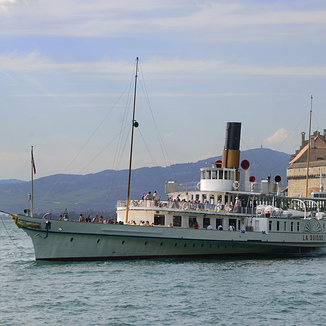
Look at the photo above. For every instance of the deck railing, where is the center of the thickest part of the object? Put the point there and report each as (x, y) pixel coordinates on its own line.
(182, 205)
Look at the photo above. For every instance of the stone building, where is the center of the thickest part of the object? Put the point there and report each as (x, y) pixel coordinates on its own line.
(297, 169)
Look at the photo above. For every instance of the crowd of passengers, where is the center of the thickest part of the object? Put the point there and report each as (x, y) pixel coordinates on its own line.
(195, 226)
(149, 200)
(88, 219)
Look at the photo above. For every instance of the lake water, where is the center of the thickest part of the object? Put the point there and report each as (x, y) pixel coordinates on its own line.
(242, 291)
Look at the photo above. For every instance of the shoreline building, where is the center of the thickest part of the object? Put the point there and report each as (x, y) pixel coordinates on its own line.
(297, 169)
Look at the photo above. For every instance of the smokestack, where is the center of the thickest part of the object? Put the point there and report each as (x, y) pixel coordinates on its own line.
(231, 152)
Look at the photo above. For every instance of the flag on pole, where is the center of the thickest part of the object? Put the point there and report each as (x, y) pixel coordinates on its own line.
(33, 163)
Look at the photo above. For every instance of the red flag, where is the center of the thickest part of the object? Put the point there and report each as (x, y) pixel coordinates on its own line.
(33, 163)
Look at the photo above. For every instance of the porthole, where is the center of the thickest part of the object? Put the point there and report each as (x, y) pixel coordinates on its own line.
(202, 245)
(71, 239)
(145, 243)
(98, 240)
(161, 244)
(194, 245)
(175, 244)
(185, 245)
(123, 242)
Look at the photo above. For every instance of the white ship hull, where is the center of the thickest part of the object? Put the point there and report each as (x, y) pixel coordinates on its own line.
(74, 241)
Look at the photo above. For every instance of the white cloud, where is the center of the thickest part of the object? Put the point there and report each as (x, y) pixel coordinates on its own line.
(156, 66)
(215, 20)
(280, 138)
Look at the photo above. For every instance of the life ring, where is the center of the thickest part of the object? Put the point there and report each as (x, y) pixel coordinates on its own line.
(198, 185)
(259, 213)
(236, 185)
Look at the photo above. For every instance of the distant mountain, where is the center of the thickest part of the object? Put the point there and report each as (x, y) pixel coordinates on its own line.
(8, 181)
(99, 191)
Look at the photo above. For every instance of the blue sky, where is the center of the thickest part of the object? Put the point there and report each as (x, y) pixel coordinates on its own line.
(65, 64)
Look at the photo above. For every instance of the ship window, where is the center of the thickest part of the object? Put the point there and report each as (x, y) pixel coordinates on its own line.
(197, 196)
(177, 221)
(192, 221)
(203, 174)
(211, 199)
(226, 175)
(208, 175)
(284, 226)
(233, 221)
(291, 226)
(159, 219)
(206, 222)
(219, 221)
(278, 226)
(220, 174)
(298, 226)
(270, 225)
(214, 175)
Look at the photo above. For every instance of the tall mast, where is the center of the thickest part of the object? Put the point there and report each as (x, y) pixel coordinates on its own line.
(308, 158)
(133, 125)
(32, 181)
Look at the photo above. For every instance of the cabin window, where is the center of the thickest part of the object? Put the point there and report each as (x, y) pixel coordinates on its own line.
(159, 219)
(219, 221)
(291, 226)
(197, 196)
(278, 226)
(211, 199)
(203, 174)
(284, 226)
(206, 222)
(226, 175)
(220, 174)
(177, 221)
(214, 175)
(298, 226)
(208, 175)
(192, 221)
(270, 225)
(233, 221)
(204, 199)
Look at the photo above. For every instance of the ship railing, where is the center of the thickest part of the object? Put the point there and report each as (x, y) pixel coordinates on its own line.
(183, 206)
